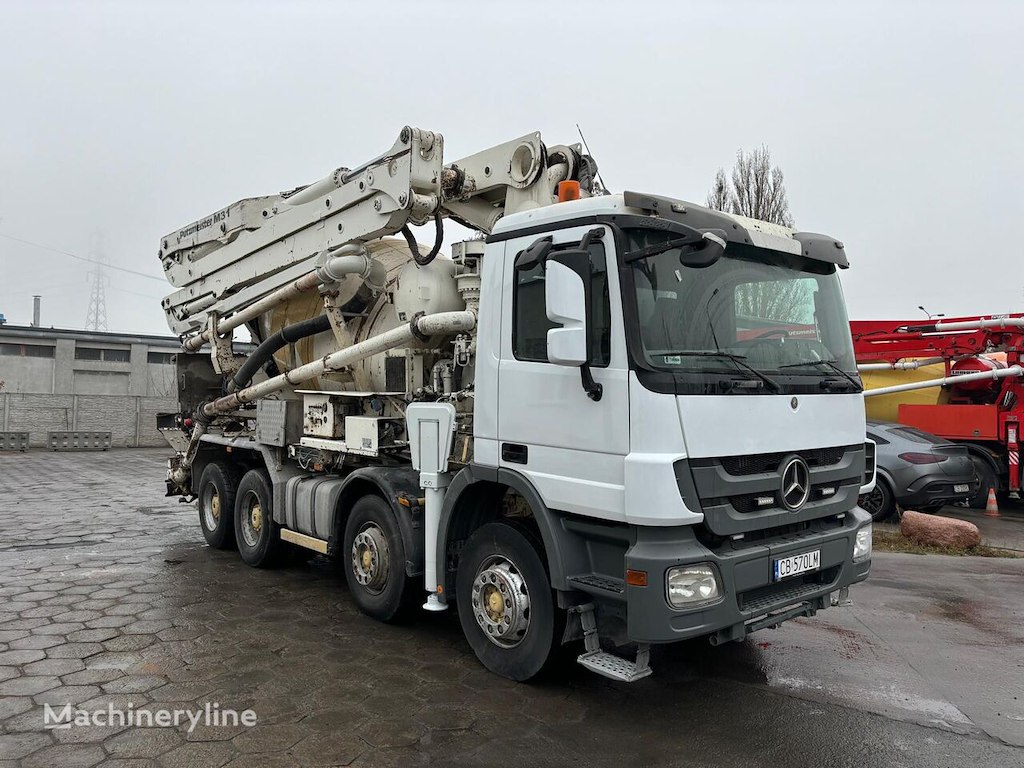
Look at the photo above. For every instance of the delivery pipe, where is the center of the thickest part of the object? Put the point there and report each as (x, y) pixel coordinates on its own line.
(423, 327)
(351, 259)
(909, 365)
(945, 326)
(1000, 373)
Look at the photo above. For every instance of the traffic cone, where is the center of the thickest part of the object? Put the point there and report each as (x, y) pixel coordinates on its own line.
(991, 508)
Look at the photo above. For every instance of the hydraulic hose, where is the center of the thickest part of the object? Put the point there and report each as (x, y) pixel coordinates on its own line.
(266, 350)
(414, 246)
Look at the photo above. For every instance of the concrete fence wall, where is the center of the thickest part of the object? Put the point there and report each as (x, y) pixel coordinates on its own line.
(130, 418)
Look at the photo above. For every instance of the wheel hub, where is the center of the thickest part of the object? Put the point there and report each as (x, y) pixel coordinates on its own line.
(371, 559)
(209, 506)
(501, 603)
(252, 520)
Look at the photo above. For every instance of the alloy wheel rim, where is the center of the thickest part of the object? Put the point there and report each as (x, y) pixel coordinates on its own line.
(371, 559)
(252, 521)
(501, 602)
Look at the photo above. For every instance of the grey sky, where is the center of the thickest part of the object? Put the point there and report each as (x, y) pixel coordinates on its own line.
(899, 126)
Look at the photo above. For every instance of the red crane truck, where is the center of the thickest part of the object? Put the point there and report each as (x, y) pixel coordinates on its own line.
(958, 378)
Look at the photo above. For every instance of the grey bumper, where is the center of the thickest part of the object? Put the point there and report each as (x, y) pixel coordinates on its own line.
(746, 574)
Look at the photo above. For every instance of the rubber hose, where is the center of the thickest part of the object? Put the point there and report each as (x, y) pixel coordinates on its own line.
(266, 350)
(414, 247)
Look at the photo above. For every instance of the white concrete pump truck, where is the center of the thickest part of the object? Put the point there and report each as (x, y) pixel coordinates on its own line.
(616, 418)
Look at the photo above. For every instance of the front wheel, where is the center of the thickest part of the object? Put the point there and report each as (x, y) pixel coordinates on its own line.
(880, 502)
(257, 535)
(505, 602)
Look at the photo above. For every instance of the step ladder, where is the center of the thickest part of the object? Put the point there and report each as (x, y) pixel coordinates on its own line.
(604, 663)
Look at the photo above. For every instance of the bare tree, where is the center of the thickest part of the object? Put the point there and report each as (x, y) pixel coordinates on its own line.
(782, 301)
(756, 189)
(718, 197)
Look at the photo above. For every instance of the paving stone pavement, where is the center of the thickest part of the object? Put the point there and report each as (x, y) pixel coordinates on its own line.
(108, 595)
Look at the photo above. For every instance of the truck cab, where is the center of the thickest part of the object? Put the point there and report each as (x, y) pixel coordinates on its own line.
(695, 467)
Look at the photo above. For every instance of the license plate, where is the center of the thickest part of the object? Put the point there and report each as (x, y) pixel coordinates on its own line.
(965, 488)
(796, 564)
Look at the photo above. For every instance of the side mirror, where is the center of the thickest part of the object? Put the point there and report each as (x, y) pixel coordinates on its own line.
(705, 253)
(565, 301)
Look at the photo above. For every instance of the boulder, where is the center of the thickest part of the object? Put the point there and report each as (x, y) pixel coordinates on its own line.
(939, 531)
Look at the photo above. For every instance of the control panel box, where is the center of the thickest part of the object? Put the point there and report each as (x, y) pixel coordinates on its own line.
(322, 416)
(367, 435)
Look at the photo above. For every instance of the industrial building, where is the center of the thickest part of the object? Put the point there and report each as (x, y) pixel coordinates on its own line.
(69, 380)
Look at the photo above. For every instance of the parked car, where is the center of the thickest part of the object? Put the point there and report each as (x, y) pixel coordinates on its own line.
(917, 471)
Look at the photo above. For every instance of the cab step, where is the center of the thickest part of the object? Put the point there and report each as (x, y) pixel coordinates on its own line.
(604, 663)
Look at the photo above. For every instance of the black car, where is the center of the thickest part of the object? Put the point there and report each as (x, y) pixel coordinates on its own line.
(917, 471)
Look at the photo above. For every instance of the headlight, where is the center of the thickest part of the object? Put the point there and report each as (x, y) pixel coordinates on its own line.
(862, 544)
(688, 586)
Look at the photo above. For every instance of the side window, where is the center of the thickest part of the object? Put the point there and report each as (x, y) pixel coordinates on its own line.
(530, 324)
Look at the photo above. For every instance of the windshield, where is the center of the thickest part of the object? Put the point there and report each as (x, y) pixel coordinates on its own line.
(782, 315)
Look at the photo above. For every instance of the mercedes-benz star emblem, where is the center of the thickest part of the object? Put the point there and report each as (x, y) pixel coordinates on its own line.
(796, 484)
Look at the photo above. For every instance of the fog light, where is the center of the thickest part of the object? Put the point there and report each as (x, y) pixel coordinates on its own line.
(862, 544)
(688, 586)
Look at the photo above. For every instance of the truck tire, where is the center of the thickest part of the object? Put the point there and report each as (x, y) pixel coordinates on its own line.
(257, 535)
(373, 556)
(505, 602)
(984, 472)
(216, 492)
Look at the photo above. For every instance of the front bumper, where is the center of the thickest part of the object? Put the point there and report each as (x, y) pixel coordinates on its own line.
(746, 576)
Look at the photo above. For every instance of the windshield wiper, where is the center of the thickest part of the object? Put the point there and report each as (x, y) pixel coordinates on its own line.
(737, 359)
(656, 248)
(858, 386)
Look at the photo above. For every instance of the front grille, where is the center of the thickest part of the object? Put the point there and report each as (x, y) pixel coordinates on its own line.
(786, 592)
(769, 462)
(747, 503)
(869, 461)
(728, 488)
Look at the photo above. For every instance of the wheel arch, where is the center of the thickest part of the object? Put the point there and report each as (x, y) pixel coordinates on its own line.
(990, 458)
(241, 456)
(399, 487)
(473, 500)
(884, 475)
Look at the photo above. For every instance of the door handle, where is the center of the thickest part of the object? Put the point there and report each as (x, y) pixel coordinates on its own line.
(513, 453)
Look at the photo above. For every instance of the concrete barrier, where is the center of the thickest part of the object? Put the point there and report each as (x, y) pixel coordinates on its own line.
(13, 441)
(79, 441)
(130, 419)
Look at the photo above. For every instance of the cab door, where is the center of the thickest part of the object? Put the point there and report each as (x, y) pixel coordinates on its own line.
(571, 447)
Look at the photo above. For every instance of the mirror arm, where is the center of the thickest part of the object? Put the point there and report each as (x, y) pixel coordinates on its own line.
(591, 236)
(592, 388)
